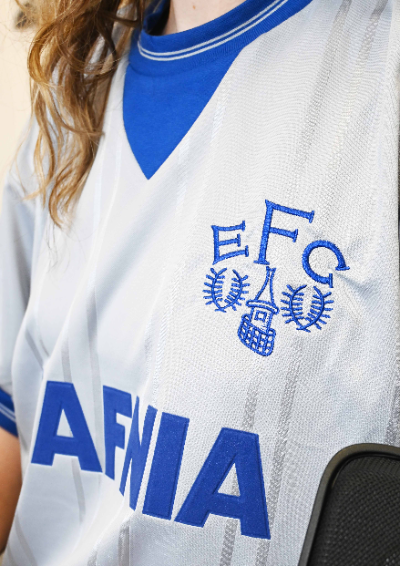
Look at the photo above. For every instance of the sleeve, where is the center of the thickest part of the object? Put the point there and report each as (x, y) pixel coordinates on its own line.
(17, 222)
(7, 413)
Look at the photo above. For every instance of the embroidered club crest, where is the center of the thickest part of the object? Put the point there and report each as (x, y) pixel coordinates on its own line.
(255, 330)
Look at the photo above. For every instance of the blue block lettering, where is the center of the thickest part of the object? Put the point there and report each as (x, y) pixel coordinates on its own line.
(61, 397)
(137, 452)
(164, 474)
(243, 450)
(268, 229)
(218, 243)
(115, 401)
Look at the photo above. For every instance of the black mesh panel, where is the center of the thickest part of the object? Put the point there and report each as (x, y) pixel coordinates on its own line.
(360, 523)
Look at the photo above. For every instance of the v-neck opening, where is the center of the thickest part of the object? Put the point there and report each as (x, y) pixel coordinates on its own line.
(171, 79)
(173, 155)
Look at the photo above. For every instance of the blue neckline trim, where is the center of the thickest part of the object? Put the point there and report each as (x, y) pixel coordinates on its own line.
(171, 79)
(165, 54)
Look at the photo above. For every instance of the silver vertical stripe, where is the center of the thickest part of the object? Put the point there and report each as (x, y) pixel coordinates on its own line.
(34, 349)
(314, 108)
(96, 378)
(123, 544)
(231, 525)
(392, 436)
(291, 380)
(280, 452)
(91, 306)
(291, 384)
(76, 475)
(223, 94)
(66, 366)
(92, 313)
(181, 181)
(43, 347)
(24, 543)
(393, 428)
(228, 544)
(31, 343)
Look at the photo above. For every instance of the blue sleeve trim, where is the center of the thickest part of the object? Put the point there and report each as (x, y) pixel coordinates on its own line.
(7, 413)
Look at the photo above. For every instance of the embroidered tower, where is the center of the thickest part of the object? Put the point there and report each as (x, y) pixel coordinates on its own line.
(255, 330)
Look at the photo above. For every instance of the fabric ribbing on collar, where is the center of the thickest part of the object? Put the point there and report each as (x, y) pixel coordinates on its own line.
(171, 78)
(227, 34)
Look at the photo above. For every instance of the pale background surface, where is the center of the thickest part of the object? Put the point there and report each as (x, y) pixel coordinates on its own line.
(14, 85)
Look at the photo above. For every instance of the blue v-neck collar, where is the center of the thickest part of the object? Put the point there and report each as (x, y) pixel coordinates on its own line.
(171, 78)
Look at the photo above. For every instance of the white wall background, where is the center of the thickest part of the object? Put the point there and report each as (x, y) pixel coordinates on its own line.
(14, 85)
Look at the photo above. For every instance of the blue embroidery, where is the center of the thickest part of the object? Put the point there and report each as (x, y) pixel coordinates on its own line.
(232, 448)
(294, 308)
(166, 465)
(268, 229)
(242, 449)
(136, 453)
(61, 398)
(114, 402)
(218, 243)
(213, 294)
(306, 261)
(255, 330)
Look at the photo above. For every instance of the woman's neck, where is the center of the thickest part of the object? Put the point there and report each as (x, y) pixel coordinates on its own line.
(187, 14)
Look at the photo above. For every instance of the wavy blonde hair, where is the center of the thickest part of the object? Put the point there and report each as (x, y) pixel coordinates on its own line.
(71, 62)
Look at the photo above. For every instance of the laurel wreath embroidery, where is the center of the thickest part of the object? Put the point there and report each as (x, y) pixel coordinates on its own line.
(213, 293)
(317, 312)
